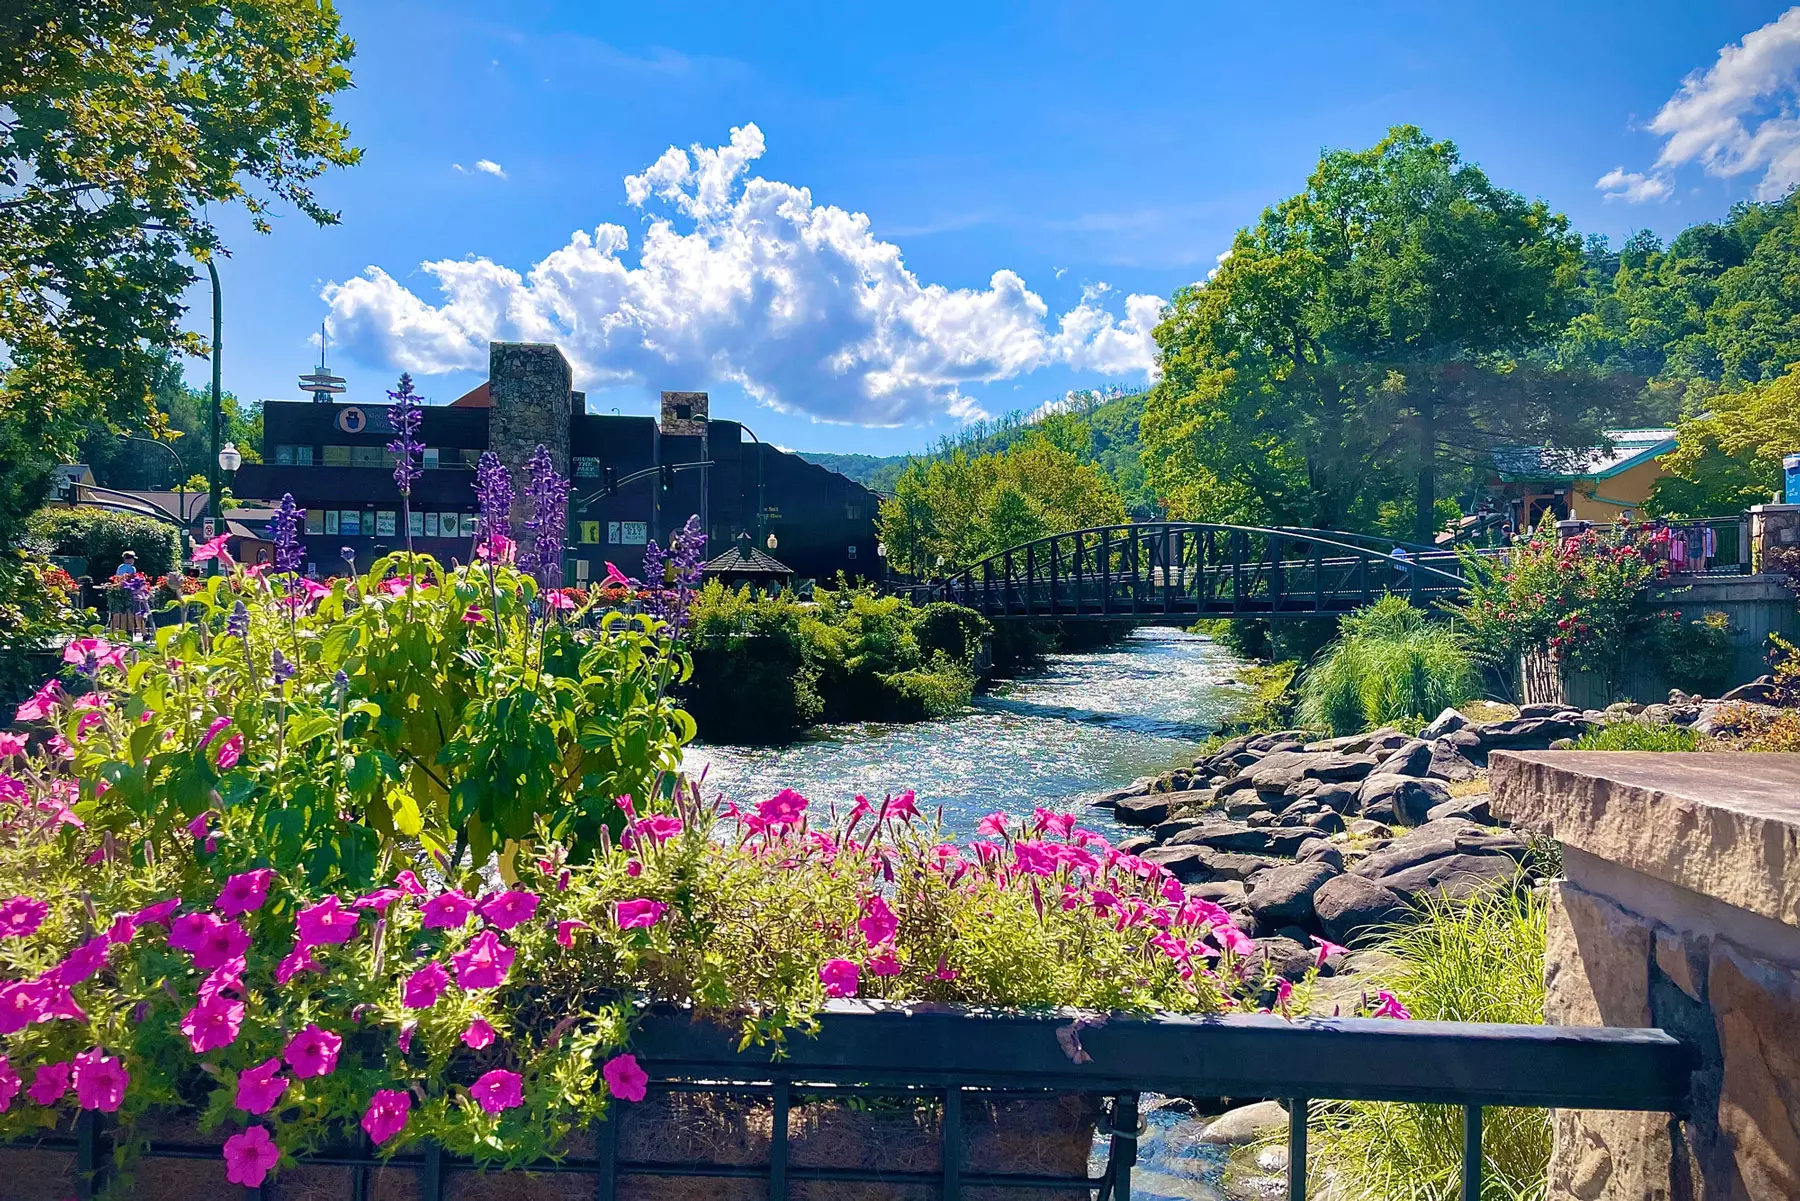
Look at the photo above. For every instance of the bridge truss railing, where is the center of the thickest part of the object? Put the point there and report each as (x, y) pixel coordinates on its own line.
(1195, 570)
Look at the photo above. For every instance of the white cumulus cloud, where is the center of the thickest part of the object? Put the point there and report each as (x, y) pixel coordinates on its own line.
(1734, 118)
(484, 166)
(1633, 186)
(744, 280)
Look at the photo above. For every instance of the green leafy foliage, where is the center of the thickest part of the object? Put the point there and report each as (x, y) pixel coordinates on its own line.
(1639, 736)
(129, 128)
(766, 667)
(38, 612)
(1384, 323)
(962, 508)
(1476, 961)
(1390, 664)
(101, 536)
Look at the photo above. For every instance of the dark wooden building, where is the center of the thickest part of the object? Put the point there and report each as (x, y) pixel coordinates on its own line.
(330, 456)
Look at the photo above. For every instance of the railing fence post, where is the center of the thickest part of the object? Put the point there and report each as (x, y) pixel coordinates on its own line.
(950, 1149)
(90, 1156)
(1471, 1174)
(1297, 1149)
(778, 1143)
(1122, 1153)
(606, 1156)
(431, 1173)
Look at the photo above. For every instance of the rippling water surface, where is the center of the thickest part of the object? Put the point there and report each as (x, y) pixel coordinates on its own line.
(1090, 722)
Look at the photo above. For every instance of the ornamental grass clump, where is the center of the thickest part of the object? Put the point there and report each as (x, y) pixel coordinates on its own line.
(405, 855)
(1391, 664)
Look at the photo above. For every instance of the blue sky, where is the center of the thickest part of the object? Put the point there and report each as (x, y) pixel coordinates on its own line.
(1035, 178)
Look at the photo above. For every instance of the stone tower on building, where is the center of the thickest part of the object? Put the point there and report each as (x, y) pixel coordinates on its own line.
(530, 387)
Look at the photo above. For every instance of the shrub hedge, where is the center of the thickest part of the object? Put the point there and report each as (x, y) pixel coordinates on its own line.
(102, 536)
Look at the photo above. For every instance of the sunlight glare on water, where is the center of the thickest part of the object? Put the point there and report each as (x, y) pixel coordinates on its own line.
(1088, 723)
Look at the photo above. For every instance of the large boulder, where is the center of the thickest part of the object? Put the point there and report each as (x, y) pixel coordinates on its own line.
(1385, 741)
(1340, 798)
(1318, 850)
(1222, 836)
(1406, 799)
(1760, 691)
(1246, 1124)
(1411, 759)
(1355, 911)
(1229, 893)
(1453, 877)
(1439, 839)
(1285, 840)
(1449, 763)
(1447, 722)
(1286, 894)
(1336, 769)
(1147, 810)
(1281, 956)
(1475, 807)
(1280, 770)
(1191, 864)
(1138, 787)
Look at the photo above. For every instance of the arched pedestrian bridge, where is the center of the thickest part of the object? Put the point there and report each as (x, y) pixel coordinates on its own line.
(1149, 573)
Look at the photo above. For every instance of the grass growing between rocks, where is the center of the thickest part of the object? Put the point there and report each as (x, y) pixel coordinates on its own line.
(1639, 736)
(1476, 961)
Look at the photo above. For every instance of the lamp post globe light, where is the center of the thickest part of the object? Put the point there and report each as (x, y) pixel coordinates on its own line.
(230, 459)
(772, 543)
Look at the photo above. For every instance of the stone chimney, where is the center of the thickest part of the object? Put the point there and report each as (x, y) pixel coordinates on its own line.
(529, 383)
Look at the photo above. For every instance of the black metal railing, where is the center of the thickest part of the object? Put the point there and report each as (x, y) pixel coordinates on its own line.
(952, 1058)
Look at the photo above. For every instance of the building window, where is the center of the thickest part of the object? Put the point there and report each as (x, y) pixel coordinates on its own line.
(331, 521)
(431, 458)
(684, 412)
(315, 521)
(366, 456)
(337, 456)
(852, 551)
(471, 456)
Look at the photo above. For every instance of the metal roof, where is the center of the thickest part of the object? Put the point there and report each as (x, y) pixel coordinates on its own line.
(1629, 448)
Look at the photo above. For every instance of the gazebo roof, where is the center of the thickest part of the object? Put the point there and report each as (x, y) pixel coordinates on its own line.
(745, 559)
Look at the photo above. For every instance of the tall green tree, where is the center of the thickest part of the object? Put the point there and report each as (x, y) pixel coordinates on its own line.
(1387, 323)
(121, 121)
(962, 507)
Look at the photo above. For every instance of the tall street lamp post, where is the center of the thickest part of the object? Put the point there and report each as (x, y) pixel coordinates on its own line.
(214, 506)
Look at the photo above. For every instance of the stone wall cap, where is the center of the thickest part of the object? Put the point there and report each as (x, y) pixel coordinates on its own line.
(1725, 824)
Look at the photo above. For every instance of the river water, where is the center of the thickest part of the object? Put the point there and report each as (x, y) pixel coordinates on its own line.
(1088, 723)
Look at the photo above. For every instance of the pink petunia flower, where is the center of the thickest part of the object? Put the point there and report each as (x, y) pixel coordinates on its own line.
(381, 898)
(81, 963)
(11, 744)
(260, 1087)
(92, 653)
(208, 939)
(300, 959)
(474, 616)
(213, 1023)
(479, 1035)
(249, 1156)
(326, 924)
(840, 977)
(100, 1081)
(230, 751)
(785, 808)
(425, 986)
(655, 829)
(408, 883)
(624, 1078)
(386, 1115)
(484, 963)
(37, 705)
(407, 1030)
(886, 963)
(9, 1084)
(878, 923)
(992, 826)
(49, 1083)
(447, 911)
(213, 548)
(157, 914)
(1327, 949)
(498, 1091)
(641, 913)
(313, 1052)
(565, 931)
(21, 916)
(245, 892)
(227, 977)
(903, 807)
(510, 908)
(213, 730)
(1390, 1007)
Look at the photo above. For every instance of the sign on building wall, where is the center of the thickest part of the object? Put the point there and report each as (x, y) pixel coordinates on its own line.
(384, 523)
(590, 531)
(627, 533)
(415, 523)
(431, 525)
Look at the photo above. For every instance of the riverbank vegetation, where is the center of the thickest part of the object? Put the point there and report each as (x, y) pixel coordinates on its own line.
(766, 667)
(1480, 960)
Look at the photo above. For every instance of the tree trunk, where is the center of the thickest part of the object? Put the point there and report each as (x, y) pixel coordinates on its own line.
(1425, 518)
